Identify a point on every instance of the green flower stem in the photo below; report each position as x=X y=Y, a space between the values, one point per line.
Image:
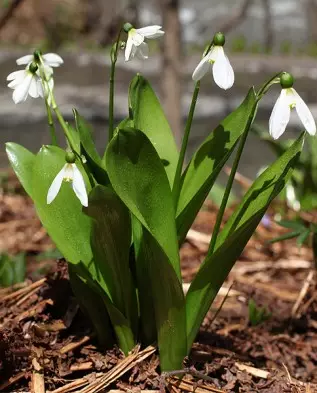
x=114 y=58
x=226 y=194
x=180 y=163
x=260 y=94
x=69 y=138
x=51 y=123
x=48 y=108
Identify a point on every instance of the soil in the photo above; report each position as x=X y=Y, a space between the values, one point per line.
x=46 y=344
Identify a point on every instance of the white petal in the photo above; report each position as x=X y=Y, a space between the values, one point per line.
x=21 y=91
x=151 y=31
x=33 y=90
x=203 y=67
x=128 y=49
x=280 y=116
x=56 y=185
x=305 y=115
x=52 y=59
x=16 y=75
x=40 y=90
x=25 y=60
x=222 y=71
x=79 y=186
x=142 y=51
x=136 y=37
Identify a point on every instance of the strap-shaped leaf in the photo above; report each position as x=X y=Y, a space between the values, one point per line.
x=235 y=236
x=110 y=243
x=205 y=165
x=168 y=302
x=22 y=161
x=120 y=323
x=63 y=219
x=93 y=307
x=138 y=177
x=148 y=116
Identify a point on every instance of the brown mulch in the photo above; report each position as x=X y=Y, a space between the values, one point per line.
x=46 y=344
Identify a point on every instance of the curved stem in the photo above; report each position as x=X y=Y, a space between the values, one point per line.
x=114 y=58
x=180 y=162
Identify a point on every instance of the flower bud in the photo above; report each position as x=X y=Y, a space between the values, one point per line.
x=37 y=55
x=286 y=80
x=219 y=39
x=70 y=157
x=33 y=67
x=127 y=27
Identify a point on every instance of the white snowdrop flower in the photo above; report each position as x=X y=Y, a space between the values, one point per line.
x=69 y=173
x=48 y=60
x=287 y=100
x=135 y=45
x=217 y=61
x=25 y=82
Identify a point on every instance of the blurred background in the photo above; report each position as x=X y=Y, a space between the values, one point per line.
x=263 y=38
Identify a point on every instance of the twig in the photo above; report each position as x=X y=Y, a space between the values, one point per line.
x=72 y=346
x=302 y=294
x=190 y=386
x=12 y=380
x=34 y=310
x=21 y=291
x=27 y=296
x=117 y=371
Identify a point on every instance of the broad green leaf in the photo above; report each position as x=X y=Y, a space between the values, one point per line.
x=22 y=161
x=110 y=243
x=168 y=302
x=89 y=150
x=147 y=114
x=140 y=267
x=204 y=167
x=63 y=219
x=93 y=306
x=138 y=177
x=235 y=235
x=286 y=236
x=119 y=323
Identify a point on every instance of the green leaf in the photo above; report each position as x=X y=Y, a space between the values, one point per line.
x=12 y=269
x=22 y=161
x=120 y=324
x=110 y=243
x=92 y=305
x=63 y=219
x=89 y=150
x=169 y=304
x=207 y=162
x=235 y=235
x=148 y=116
x=140 y=267
x=302 y=237
x=291 y=224
x=138 y=177
x=286 y=236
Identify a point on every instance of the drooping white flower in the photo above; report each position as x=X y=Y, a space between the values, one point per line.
x=287 y=100
x=25 y=82
x=49 y=59
x=69 y=173
x=217 y=61
x=135 y=45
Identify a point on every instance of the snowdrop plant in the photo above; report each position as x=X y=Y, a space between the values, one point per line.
x=121 y=224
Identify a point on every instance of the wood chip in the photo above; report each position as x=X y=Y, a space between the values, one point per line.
x=189 y=386
x=37 y=381
x=256 y=372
